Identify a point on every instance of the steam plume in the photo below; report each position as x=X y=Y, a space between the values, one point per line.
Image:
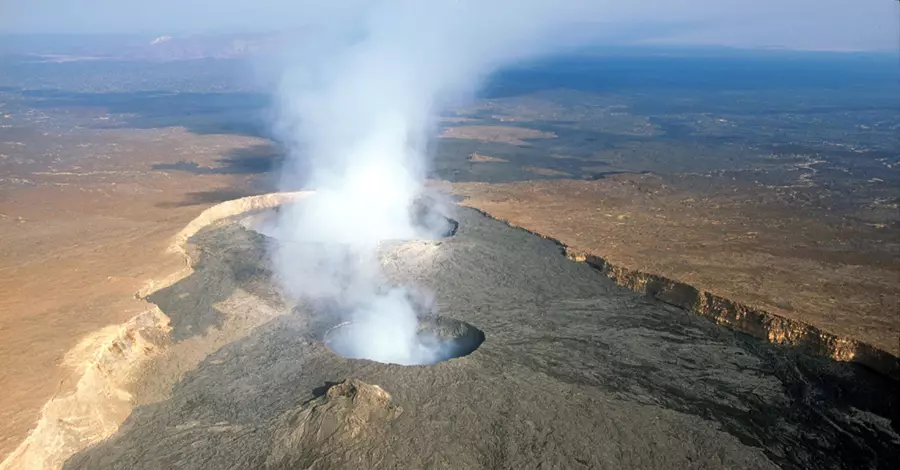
x=358 y=107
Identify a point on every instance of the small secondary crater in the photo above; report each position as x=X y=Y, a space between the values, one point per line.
x=427 y=219
x=435 y=340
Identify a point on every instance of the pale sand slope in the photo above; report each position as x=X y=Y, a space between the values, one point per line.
x=108 y=361
x=79 y=235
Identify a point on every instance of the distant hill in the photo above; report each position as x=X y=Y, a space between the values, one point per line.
x=67 y=48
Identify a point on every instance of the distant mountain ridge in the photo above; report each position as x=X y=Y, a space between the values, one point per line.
x=64 y=48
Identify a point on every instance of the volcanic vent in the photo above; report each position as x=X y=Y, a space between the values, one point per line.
x=429 y=222
x=435 y=339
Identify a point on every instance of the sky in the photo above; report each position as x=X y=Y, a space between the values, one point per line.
x=793 y=24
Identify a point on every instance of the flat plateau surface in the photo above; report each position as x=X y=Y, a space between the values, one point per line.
x=575 y=372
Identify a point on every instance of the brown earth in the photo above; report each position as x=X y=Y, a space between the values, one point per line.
x=735 y=244
x=545 y=171
x=499 y=134
x=78 y=241
x=479 y=158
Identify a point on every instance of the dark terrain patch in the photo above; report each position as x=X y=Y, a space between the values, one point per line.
x=576 y=373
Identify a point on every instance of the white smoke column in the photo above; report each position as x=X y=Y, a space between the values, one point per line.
x=357 y=110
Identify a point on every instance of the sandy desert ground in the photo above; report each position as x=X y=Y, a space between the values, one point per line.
x=79 y=239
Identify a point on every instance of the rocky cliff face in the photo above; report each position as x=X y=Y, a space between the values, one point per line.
x=737 y=316
x=746 y=319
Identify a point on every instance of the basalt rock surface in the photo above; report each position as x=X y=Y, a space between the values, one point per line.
x=575 y=371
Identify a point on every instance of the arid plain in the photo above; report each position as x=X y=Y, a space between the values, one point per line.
x=93 y=188
x=80 y=239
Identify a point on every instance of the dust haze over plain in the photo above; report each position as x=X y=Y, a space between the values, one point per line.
x=792 y=24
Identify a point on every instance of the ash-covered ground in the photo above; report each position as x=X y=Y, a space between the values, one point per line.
x=574 y=372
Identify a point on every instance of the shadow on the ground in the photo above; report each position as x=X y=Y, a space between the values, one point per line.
x=237 y=113
x=242 y=161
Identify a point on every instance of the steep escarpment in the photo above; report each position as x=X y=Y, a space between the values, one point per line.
x=735 y=315
x=747 y=319
x=768 y=266
x=108 y=363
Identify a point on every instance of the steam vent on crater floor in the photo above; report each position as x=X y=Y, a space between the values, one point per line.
x=573 y=372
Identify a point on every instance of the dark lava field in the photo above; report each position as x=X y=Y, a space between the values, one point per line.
x=573 y=372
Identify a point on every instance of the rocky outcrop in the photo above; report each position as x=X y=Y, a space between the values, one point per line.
x=331 y=425
x=100 y=401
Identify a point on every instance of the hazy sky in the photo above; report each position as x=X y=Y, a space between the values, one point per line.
x=798 y=24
